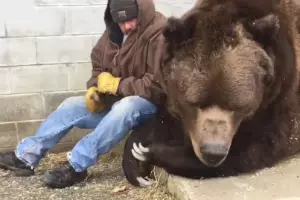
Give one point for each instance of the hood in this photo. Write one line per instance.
(147, 12)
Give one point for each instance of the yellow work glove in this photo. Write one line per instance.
(107, 83)
(93, 101)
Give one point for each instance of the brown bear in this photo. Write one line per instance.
(231, 79)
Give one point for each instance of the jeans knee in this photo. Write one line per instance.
(133, 106)
(72, 103)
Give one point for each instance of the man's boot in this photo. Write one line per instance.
(9, 161)
(63, 176)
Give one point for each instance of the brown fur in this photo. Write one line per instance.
(232, 81)
(241, 61)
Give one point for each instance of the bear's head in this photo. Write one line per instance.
(224, 69)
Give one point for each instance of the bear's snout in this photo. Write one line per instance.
(214, 154)
(212, 135)
(215, 126)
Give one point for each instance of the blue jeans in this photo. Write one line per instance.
(109, 128)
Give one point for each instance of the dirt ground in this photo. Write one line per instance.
(105, 181)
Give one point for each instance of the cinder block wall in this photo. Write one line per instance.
(45, 57)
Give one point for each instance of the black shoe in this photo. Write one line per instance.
(63, 176)
(9, 161)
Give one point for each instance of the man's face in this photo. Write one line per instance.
(128, 26)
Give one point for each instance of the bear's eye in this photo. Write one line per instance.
(204, 104)
(236, 107)
(199, 101)
(231, 39)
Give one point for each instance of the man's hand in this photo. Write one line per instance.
(107, 83)
(93, 101)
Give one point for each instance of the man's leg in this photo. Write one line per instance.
(72, 112)
(124, 116)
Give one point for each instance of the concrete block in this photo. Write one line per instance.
(179, 9)
(277, 183)
(95, 39)
(62, 147)
(85, 20)
(172, 2)
(62, 2)
(99, 2)
(2, 26)
(5, 81)
(173, 9)
(5, 149)
(13, 7)
(21, 107)
(64, 49)
(69, 2)
(8, 135)
(163, 8)
(79, 74)
(39, 78)
(119, 148)
(29, 128)
(17, 51)
(53, 99)
(77, 134)
(67, 146)
(23, 4)
(2, 31)
(38, 21)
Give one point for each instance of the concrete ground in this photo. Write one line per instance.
(281, 182)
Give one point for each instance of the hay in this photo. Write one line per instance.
(111, 172)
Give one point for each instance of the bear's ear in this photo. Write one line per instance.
(264, 29)
(178, 30)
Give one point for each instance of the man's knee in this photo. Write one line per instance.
(72, 103)
(133, 105)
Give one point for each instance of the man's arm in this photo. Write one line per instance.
(149, 86)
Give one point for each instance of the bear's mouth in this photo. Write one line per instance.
(213, 154)
(212, 162)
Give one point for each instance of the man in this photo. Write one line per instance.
(124, 61)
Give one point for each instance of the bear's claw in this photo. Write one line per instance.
(144, 182)
(139, 152)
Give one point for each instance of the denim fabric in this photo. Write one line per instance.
(109, 128)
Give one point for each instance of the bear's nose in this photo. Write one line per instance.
(213, 154)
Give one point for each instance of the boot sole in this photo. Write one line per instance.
(17, 171)
(52, 184)
(46, 179)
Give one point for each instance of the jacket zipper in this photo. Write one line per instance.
(115, 57)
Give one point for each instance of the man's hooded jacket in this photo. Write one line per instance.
(137, 59)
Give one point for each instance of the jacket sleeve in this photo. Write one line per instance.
(96, 60)
(148, 86)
